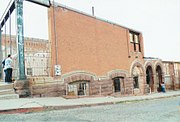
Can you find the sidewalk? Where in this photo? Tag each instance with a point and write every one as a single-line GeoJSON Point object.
{"type": "Point", "coordinates": [56, 103]}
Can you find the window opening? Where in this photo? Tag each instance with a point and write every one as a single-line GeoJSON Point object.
{"type": "Point", "coordinates": [136, 84]}
{"type": "Point", "coordinates": [134, 39]}
{"type": "Point", "coordinates": [118, 84]}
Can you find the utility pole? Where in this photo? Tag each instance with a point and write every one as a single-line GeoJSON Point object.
{"type": "Point", "coordinates": [0, 53]}
{"type": "Point", "coordinates": [20, 38]}
{"type": "Point", "coordinates": [55, 34]}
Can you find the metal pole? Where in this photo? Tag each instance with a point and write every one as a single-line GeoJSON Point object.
{"type": "Point", "coordinates": [20, 38]}
{"type": "Point", "coordinates": [93, 10]}
{"type": "Point", "coordinates": [1, 71]}
{"type": "Point", "coordinates": [5, 38]}
{"type": "Point", "coordinates": [55, 35]}
{"type": "Point", "coordinates": [10, 33]}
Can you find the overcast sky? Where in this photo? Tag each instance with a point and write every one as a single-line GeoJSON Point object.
{"type": "Point", "coordinates": [158, 20]}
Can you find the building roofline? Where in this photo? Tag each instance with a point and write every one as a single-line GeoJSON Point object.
{"type": "Point", "coordinates": [151, 58]}
{"type": "Point", "coordinates": [171, 61]}
{"type": "Point", "coordinates": [95, 17]}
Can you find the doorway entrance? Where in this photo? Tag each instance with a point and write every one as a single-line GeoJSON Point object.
{"type": "Point", "coordinates": [149, 78]}
{"type": "Point", "coordinates": [119, 84]}
{"type": "Point", "coordinates": [159, 77]}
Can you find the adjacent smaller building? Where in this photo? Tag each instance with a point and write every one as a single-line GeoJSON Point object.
{"type": "Point", "coordinates": [172, 75]}
{"type": "Point", "coordinates": [37, 55]}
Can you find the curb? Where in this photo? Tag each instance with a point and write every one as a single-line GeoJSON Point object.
{"type": "Point", "coordinates": [48, 108]}
{"type": "Point", "coordinates": [21, 110]}
{"type": "Point", "coordinates": [144, 99]}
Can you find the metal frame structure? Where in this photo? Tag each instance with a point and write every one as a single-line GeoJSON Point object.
{"type": "Point", "coordinates": [18, 5]}
{"type": "Point", "coordinates": [0, 54]}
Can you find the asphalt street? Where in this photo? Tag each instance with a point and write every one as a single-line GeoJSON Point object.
{"type": "Point", "coordinates": [158, 110]}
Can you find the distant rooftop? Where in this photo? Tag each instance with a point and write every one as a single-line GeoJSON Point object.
{"type": "Point", "coordinates": [151, 58]}
{"type": "Point", "coordinates": [25, 38]}
{"type": "Point", "coordinates": [171, 61]}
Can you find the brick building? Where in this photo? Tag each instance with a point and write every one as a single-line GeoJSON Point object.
{"type": "Point", "coordinates": [172, 75]}
{"type": "Point", "coordinates": [96, 57]}
{"type": "Point", "coordinates": [37, 55]}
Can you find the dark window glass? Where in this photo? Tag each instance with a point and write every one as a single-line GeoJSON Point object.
{"type": "Point", "coordinates": [82, 89]}
{"type": "Point", "coordinates": [136, 84]}
{"type": "Point", "coordinates": [116, 85]}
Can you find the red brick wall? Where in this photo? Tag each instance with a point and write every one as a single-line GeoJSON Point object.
{"type": "Point", "coordinates": [86, 43]}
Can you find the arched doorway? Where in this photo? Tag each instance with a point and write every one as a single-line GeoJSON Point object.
{"type": "Point", "coordinates": [138, 77]}
{"type": "Point", "coordinates": [159, 77]}
{"type": "Point", "coordinates": [149, 78]}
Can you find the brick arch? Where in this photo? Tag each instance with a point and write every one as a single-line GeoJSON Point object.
{"type": "Point", "coordinates": [150, 76]}
{"type": "Point", "coordinates": [117, 73]}
{"type": "Point", "coordinates": [158, 63]}
{"type": "Point", "coordinates": [78, 75]}
{"type": "Point", "coordinates": [148, 63]}
{"type": "Point", "coordinates": [138, 64]}
{"type": "Point", "coordinates": [159, 78]}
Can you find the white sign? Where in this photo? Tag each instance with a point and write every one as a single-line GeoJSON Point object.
{"type": "Point", "coordinates": [41, 2]}
{"type": "Point", "coordinates": [57, 69]}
